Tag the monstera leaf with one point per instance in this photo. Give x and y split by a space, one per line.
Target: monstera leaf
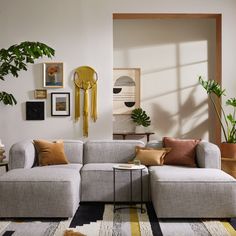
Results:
140 117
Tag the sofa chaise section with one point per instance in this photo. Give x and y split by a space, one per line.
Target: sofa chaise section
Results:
40 192
48 191
186 192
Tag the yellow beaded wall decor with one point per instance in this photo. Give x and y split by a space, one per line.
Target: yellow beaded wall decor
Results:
85 78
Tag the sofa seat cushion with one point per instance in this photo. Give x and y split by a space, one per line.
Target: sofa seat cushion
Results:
97 183
73 166
168 173
40 192
183 192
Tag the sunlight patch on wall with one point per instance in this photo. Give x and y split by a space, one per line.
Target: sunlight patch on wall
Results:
170 93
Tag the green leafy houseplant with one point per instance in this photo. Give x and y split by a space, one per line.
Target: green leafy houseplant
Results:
228 122
16 58
140 117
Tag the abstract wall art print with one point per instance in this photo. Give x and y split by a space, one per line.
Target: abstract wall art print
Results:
126 90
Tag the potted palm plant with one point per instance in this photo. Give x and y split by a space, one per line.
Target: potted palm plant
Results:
16 58
227 121
141 119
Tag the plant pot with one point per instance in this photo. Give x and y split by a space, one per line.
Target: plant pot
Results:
228 150
228 158
139 129
228 165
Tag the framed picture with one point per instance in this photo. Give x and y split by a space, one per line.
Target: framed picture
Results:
53 75
40 93
126 90
34 110
60 104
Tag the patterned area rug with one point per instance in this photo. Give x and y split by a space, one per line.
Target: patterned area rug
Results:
97 219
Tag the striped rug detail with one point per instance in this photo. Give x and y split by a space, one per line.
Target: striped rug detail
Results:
98 219
134 223
229 228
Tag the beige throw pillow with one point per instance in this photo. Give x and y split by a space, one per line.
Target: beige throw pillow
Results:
50 153
150 156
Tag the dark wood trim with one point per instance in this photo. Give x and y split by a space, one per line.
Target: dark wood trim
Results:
135 16
218 19
218 68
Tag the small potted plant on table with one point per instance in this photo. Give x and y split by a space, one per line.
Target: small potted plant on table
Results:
141 119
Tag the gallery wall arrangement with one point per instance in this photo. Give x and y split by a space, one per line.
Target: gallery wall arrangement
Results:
53 78
85 80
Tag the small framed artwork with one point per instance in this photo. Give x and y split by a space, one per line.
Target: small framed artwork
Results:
126 90
53 75
40 93
60 104
34 110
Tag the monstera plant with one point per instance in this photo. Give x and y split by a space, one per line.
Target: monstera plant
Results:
141 119
16 58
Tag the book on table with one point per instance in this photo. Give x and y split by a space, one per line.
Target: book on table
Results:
126 165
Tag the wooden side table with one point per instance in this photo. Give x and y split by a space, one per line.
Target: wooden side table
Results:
229 166
4 163
125 134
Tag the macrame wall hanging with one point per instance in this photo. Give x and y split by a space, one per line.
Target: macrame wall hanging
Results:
85 78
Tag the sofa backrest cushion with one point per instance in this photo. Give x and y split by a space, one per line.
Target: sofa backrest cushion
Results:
74 151
111 151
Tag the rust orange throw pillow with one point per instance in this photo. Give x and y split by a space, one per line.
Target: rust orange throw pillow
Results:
183 151
50 153
150 156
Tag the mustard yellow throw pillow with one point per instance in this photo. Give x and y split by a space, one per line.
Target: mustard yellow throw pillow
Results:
150 156
50 153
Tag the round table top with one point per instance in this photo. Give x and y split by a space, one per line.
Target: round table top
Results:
2 163
128 167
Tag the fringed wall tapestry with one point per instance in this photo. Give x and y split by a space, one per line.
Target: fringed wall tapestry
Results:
85 78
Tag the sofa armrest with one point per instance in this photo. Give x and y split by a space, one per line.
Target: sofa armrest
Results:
208 155
22 155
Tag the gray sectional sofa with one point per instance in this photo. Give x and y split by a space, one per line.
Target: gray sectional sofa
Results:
56 191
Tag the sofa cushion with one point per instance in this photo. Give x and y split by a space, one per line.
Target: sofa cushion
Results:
151 156
50 153
74 150
183 151
37 192
168 173
110 151
185 192
73 166
97 183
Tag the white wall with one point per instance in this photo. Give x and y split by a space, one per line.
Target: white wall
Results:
81 33
171 55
